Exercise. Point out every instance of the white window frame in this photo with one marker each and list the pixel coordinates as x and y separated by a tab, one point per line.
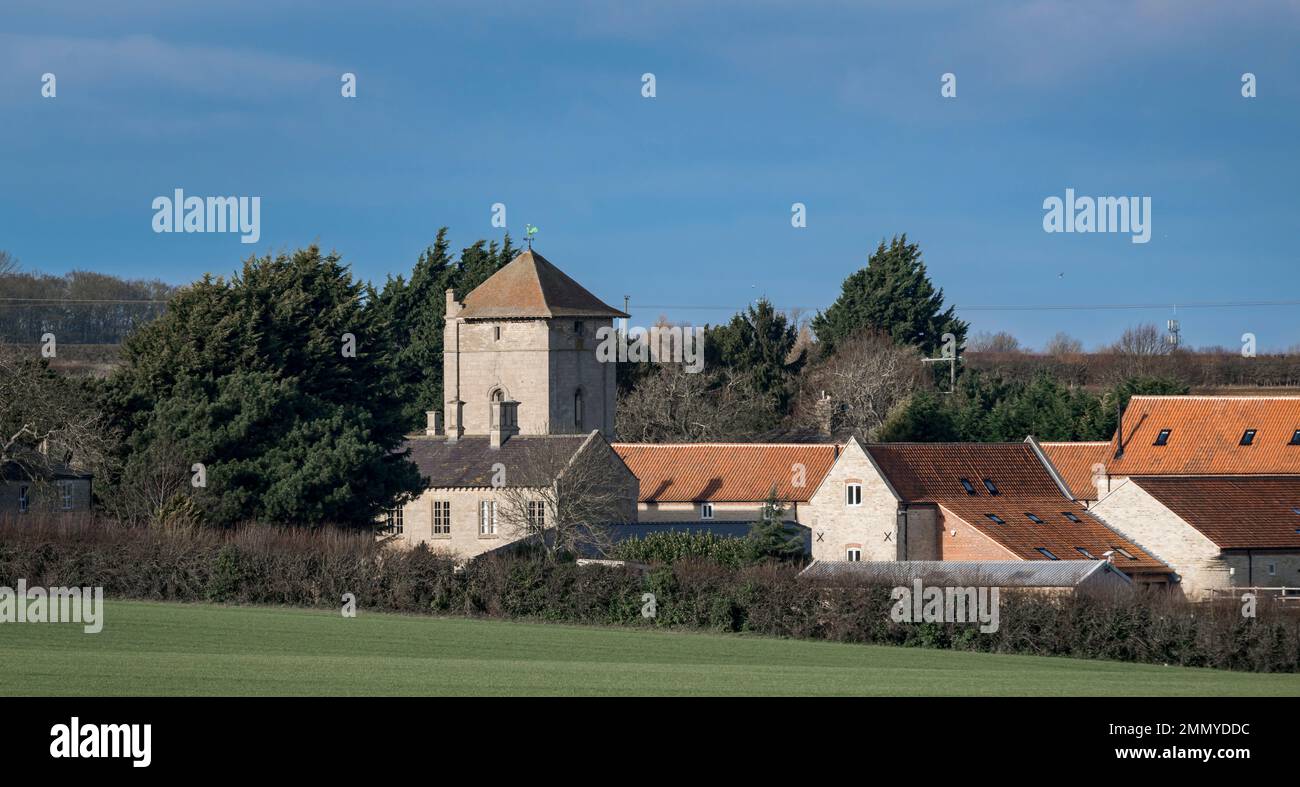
706	510
853	554
536	515
440	515
852	494
487	518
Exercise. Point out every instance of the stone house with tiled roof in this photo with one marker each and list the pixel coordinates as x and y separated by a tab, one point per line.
1208	484
1218	532
960	501
724	482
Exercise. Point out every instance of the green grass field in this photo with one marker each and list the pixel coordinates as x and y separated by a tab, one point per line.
181	649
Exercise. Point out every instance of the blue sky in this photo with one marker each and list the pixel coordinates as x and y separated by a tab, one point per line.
682	201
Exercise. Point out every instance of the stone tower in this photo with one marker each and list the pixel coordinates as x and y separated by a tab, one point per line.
519	356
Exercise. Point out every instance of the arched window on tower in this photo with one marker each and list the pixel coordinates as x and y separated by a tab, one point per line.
577	409
497	395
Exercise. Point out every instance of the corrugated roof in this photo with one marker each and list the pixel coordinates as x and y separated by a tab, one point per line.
468	462
932	473
1234	512
726	472
531	287
1075	461
1205	436
969	573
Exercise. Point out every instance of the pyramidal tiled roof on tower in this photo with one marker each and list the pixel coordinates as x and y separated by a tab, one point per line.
530	287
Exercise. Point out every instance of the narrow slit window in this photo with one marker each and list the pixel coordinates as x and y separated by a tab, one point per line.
706	510
1162	438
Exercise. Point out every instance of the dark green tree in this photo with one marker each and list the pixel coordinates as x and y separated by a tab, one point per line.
756	344
926	418
893	294
279	382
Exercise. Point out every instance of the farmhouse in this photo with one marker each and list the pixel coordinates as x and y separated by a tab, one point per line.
964	502
1219	532
43	486
1208	484
725	482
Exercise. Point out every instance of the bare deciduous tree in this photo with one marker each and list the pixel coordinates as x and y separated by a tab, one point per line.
45	420
8	263
856	388
676	405
1063	344
591	488
1000	342
1145	339
155	489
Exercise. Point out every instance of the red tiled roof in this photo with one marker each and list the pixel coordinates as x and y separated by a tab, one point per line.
1255	512
1205	436
725	472
531	287
932	473
1075	461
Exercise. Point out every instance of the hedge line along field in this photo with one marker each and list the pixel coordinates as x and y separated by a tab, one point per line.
159	648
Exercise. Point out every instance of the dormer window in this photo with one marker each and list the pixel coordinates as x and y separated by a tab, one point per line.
992	487
1247	437
968	486
1162	438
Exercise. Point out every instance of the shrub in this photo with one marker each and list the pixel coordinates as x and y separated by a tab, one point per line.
313	568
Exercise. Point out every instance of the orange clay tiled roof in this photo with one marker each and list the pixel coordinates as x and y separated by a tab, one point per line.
531	287
1205	435
1255	512
932	473
726	472
1074	461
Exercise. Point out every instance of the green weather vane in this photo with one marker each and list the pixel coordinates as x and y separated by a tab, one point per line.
529	231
